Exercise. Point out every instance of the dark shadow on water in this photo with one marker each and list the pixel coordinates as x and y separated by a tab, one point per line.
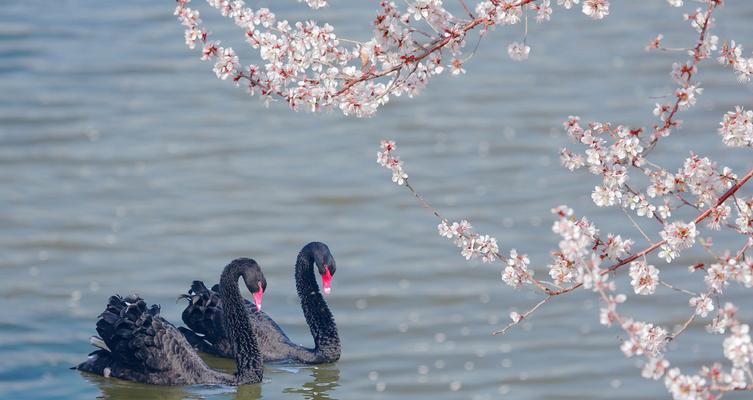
117	389
324	379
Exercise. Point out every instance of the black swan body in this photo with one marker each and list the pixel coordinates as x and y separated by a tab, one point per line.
137	344
204	316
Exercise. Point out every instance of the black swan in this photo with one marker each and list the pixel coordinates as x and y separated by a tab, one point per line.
203	316
137	344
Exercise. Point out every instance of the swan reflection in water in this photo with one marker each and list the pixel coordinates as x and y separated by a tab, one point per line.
322	381
118	389
325	378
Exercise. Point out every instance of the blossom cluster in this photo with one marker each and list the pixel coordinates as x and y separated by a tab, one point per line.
737	128
472	245
644	339
644	277
581	250
308	66
387	159
732	54
744	219
677	236
728	269
614	151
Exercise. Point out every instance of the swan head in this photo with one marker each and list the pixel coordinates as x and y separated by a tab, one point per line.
254	280
324	262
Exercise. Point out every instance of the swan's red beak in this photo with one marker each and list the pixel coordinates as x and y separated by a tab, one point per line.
327	280
258	296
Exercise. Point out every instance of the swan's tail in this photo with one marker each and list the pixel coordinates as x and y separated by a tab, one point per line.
203	306
121	320
116	323
203	316
115	328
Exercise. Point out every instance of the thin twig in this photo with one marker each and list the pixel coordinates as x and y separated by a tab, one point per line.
630	217
682	329
523	316
688	292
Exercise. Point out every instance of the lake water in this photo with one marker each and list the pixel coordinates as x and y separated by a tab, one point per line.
126	166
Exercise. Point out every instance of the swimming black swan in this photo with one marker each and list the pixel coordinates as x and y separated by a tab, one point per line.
203	316
137	344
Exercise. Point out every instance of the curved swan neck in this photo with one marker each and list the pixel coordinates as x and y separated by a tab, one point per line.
248	360
318	316
305	282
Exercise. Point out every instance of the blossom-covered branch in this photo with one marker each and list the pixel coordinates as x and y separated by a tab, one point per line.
472	244
308	66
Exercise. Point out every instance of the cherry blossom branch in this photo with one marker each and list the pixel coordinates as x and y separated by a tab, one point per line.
699	52
438	45
399	176
306	65
657	245
539	284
